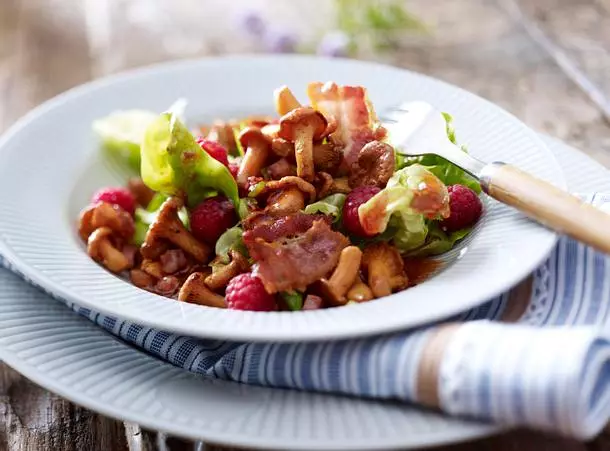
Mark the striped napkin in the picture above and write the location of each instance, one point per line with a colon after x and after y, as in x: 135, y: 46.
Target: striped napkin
x: 538, y: 356
x: 496, y: 362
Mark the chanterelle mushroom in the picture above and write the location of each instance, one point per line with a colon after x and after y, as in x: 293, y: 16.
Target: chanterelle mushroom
x: 222, y: 133
x: 168, y: 226
x: 303, y: 126
x: 101, y: 249
x: 326, y: 157
x: 326, y: 185
x: 257, y: 150
x: 195, y: 291
x: 106, y: 215
x: 385, y: 269
x: 285, y: 101
x: 374, y: 166
x: 288, y: 195
x: 343, y: 277
x: 220, y: 278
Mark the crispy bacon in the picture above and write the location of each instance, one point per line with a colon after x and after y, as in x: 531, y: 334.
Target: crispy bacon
x: 295, y: 262
x: 283, y: 227
x: 357, y: 123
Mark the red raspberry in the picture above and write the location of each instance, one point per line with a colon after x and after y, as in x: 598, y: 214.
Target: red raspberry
x: 211, y: 218
x: 116, y: 196
x: 354, y: 199
x: 465, y: 208
x: 246, y: 292
x: 215, y: 150
x: 234, y: 168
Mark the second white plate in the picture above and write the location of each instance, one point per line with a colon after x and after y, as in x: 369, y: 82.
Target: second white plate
x: 50, y: 165
x: 71, y: 356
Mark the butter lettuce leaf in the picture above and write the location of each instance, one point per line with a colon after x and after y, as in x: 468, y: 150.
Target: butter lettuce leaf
x: 331, y: 205
x: 412, y: 197
x: 231, y: 239
x: 174, y: 164
x: 438, y: 241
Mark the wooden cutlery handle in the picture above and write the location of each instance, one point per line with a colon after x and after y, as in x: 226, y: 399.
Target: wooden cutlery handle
x: 548, y: 205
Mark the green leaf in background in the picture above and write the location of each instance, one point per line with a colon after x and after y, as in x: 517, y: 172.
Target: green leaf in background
x: 380, y: 21
x: 293, y: 299
x: 331, y: 205
x: 174, y: 164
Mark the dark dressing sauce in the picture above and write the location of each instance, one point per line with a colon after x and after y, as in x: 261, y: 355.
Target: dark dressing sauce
x: 420, y: 269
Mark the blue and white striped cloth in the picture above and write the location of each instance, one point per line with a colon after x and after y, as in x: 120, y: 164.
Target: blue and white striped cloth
x: 555, y: 377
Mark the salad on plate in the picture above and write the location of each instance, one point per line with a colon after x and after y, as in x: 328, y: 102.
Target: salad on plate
x: 312, y: 208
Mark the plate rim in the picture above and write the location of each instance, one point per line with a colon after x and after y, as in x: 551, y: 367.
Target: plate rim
x: 66, y: 294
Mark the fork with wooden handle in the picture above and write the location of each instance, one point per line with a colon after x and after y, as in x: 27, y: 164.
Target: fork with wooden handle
x: 417, y: 128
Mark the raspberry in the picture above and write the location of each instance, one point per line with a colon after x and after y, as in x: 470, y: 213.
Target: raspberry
x: 465, y: 208
x: 211, y: 218
x: 246, y: 292
x: 215, y: 150
x: 354, y: 199
x: 234, y: 168
x: 116, y: 196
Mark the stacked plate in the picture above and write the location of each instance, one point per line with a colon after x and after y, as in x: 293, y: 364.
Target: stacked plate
x: 48, y: 343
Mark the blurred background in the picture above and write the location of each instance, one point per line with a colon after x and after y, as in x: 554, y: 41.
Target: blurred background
x: 543, y: 60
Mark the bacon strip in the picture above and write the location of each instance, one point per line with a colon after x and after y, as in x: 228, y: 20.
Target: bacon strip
x: 294, y: 263
x: 357, y: 123
x: 283, y: 227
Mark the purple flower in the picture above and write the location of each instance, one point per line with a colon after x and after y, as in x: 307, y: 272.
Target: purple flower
x: 281, y: 41
x: 252, y: 23
x: 334, y: 43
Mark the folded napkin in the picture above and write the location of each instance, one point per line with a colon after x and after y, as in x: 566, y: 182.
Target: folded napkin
x: 555, y: 377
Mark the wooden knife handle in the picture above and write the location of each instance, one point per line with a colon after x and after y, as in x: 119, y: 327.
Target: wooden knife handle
x: 547, y: 204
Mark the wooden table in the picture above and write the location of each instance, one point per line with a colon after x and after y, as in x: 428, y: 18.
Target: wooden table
x: 546, y: 61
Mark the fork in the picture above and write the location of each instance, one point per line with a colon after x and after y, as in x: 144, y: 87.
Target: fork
x: 417, y: 129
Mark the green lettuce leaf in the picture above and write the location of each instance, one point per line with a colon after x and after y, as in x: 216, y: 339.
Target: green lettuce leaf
x: 174, y: 164
x: 293, y: 299
x: 228, y: 241
x: 331, y: 205
x: 391, y: 209
x: 438, y: 242
x: 447, y: 172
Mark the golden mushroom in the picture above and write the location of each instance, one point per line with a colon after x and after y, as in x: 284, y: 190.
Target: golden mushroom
x: 374, y: 166
x: 385, y: 269
x: 101, y: 249
x: 257, y: 151
x: 359, y: 292
x: 285, y: 101
x: 302, y: 126
x: 343, y: 277
x: 219, y: 279
x: 195, y: 291
x: 287, y: 195
x: 168, y: 227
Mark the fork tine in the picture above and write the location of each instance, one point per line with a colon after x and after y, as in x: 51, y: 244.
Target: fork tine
x: 392, y: 116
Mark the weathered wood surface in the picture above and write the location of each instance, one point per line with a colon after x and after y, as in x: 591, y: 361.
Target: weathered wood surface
x: 496, y: 48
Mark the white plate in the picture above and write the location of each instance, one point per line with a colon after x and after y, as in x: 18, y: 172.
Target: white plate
x: 67, y: 354
x: 50, y: 165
